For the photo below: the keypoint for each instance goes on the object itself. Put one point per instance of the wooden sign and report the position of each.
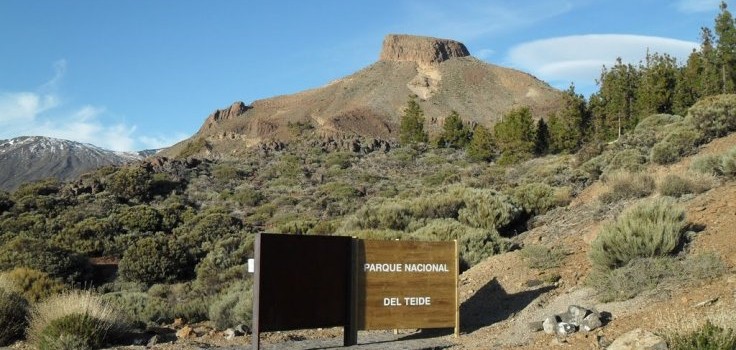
(327, 281)
(406, 284)
(300, 282)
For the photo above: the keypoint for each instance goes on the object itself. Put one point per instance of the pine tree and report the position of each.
(709, 81)
(686, 89)
(481, 146)
(411, 130)
(656, 89)
(515, 136)
(726, 48)
(613, 104)
(567, 127)
(454, 133)
(541, 143)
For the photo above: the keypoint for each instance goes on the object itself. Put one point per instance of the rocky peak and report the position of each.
(420, 49)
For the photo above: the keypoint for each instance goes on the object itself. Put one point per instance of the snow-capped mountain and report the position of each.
(31, 158)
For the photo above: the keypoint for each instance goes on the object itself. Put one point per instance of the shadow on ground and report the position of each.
(492, 304)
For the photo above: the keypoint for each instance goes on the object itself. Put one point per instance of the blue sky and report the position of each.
(132, 75)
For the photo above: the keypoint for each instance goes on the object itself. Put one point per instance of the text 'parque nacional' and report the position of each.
(373, 267)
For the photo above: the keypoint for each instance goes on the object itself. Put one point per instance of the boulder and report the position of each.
(185, 332)
(638, 339)
(550, 325)
(590, 322)
(564, 329)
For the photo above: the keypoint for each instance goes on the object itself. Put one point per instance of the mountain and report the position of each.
(31, 158)
(441, 73)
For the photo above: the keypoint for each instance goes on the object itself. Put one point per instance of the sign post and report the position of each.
(328, 281)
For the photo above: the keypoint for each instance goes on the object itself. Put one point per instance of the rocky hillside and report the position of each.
(441, 73)
(31, 158)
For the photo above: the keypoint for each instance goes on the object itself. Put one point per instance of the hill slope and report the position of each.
(440, 72)
(30, 158)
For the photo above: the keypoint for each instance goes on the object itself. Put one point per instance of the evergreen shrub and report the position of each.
(649, 229)
(13, 316)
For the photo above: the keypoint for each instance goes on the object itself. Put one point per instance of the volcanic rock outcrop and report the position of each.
(368, 104)
(420, 49)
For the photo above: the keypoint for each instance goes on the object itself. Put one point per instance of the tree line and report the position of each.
(626, 93)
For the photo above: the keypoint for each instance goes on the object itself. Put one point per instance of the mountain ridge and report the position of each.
(30, 158)
(439, 73)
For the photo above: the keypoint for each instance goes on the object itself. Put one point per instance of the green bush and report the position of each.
(535, 198)
(631, 160)
(708, 164)
(33, 285)
(88, 236)
(625, 185)
(715, 116)
(199, 235)
(477, 245)
(656, 121)
(13, 317)
(247, 196)
(678, 143)
(649, 229)
(74, 320)
(41, 256)
(73, 331)
(706, 337)
(487, 209)
(637, 276)
(538, 256)
(140, 307)
(155, 259)
(5, 202)
(44, 187)
(234, 306)
(728, 164)
(676, 186)
(140, 218)
(131, 182)
(225, 262)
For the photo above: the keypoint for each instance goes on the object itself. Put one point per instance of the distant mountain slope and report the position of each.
(31, 158)
(369, 103)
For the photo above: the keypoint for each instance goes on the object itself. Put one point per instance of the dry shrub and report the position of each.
(58, 313)
(33, 285)
(625, 185)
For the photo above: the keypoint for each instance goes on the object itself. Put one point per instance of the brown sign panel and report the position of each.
(301, 282)
(406, 284)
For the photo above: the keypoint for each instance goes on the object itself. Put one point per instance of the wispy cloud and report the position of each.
(693, 6)
(579, 58)
(468, 20)
(42, 112)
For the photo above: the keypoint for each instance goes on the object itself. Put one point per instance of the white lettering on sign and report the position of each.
(408, 301)
(369, 267)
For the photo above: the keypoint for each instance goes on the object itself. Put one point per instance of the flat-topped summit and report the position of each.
(420, 49)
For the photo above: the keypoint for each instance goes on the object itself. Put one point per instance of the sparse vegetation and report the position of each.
(625, 185)
(707, 337)
(538, 256)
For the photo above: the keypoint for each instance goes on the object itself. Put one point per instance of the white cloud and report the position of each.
(43, 113)
(693, 6)
(579, 58)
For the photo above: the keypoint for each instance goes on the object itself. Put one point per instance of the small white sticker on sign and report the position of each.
(251, 265)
